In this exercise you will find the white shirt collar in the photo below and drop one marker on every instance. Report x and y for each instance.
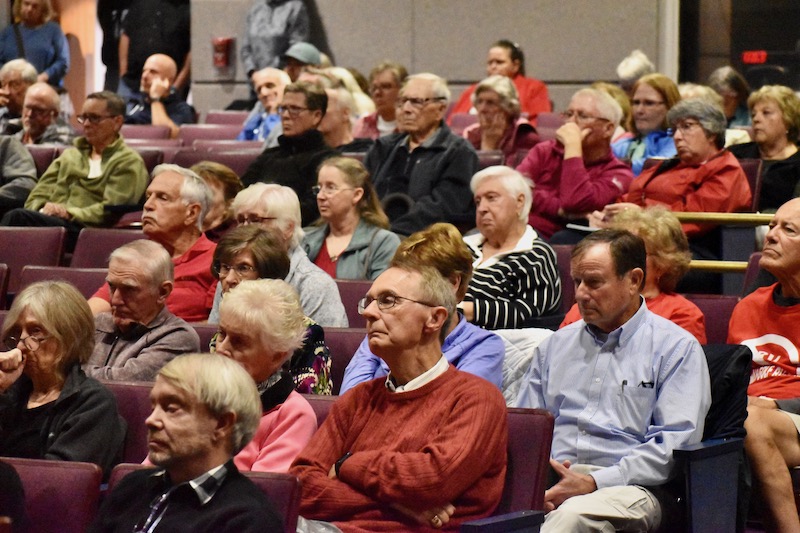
(426, 377)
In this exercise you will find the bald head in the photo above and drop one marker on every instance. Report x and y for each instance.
(41, 109)
(781, 254)
(269, 84)
(158, 66)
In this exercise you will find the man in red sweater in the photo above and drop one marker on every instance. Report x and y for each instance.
(423, 447)
(766, 321)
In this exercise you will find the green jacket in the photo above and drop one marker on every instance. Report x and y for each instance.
(123, 181)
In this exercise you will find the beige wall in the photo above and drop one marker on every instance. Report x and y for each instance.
(567, 42)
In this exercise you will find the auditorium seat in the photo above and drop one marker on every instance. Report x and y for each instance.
(220, 116)
(133, 404)
(342, 343)
(563, 253)
(94, 245)
(717, 310)
(191, 132)
(238, 161)
(351, 291)
(42, 155)
(29, 246)
(144, 131)
(87, 280)
(226, 145)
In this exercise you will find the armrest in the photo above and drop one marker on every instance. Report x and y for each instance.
(708, 448)
(519, 522)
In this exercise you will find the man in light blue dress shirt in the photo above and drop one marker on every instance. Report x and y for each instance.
(626, 387)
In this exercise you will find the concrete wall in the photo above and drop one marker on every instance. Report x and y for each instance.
(567, 42)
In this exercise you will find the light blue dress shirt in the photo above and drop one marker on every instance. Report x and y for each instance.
(622, 401)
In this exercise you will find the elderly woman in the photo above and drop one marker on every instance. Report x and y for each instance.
(653, 97)
(224, 185)
(276, 207)
(43, 42)
(351, 240)
(506, 58)
(693, 90)
(252, 252)
(515, 277)
(261, 325)
(734, 90)
(466, 346)
(385, 81)
(668, 259)
(50, 409)
(500, 126)
(775, 111)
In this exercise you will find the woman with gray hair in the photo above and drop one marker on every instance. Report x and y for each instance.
(500, 126)
(261, 325)
(704, 177)
(515, 277)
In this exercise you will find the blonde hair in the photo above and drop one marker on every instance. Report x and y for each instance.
(48, 13)
(356, 176)
(787, 102)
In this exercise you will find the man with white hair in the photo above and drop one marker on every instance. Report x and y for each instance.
(41, 120)
(139, 335)
(206, 408)
(422, 173)
(577, 173)
(268, 84)
(16, 76)
(337, 124)
(177, 202)
(277, 206)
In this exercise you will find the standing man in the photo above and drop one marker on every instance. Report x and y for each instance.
(300, 149)
(158, 103)
(423, 446)
(155, 27)
(139, 335)
(177, 202)
(99, 171)
(577, 173)
(626, 387)
(272, 26)
(766, 322)
(423, 172)
(205, 410)
(41, 118)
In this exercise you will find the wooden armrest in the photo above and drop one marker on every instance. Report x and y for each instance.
(731, 219)
(718, 266)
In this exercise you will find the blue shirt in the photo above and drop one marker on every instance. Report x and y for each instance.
(468, 348)
(621, 401)
(258, 124)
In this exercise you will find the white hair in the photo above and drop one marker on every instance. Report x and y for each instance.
(438, 85)
(512, 181)
(276, 201)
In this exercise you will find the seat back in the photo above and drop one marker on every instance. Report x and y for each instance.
(3, 284)
(461, 121)
(342, 343)
(321, 405)
(60, 496)
(151, 156)
(42, 246)
(751, 274)
(717, 309)
(729, 367)
(563, 254)
(752, 169)
(530, 434)
(94, 245)
(489, 158)
(351, 291)
(206, 333)
(43, 155)
(220, 116)
(156, 144)
(239, 161)
(225, 145)
(144, 131)
(133, 403)
(190, 132)
(87, 280)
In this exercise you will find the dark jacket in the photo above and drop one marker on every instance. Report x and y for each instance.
(435, 176)
(780, 180)
(293, 163)
(82, 426)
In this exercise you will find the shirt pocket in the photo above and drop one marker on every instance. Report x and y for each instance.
(634, 409)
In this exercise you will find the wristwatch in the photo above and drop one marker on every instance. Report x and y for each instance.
(338, 464)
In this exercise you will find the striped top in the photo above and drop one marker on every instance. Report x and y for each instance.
(512, 288)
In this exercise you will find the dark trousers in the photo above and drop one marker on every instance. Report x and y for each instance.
(27, 217)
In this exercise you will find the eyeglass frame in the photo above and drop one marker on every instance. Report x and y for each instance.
(93, 119)
(242, 269)
(294, 111)
(417, 103)
(579, 117)
(38, 111)
(367, 300)
(683, 127)
(329, 191)
(244, 221)
(17, 340)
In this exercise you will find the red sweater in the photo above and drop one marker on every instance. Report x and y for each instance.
(442, 443)
(533, 98)
(770, 331)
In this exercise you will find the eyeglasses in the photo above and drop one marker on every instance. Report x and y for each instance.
(242, 270)
(92, 119)
(646, 103)
(291, 109)
(36, 111)
(328, 190)
(244, 220)
(385, 302)
(684, 127)
(580, 116)
(417, 103)
(30, 342)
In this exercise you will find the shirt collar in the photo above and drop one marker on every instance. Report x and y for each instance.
(204, 486)
(621, 335)
(426, 377)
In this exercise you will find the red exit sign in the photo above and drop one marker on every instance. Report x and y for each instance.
(754, 57)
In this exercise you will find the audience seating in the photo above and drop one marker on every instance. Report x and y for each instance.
(563, 253)
(489, 158)
(321, 405)
(190, 132)
(283, 490)
(214, 145)
(152, 157)
(547, 124)
(351, 291)
(752, 169)
(342, 343)
(205, 331)
(461, 121)
(144, 131)
(3, 285)
(717, 309)
(238, 161)
(751, 274)
(154, 143)
(29, 246)
(219, 116)
(60, 496)
(94, 245)
(133, 403)
(43, 155)
(87, 280)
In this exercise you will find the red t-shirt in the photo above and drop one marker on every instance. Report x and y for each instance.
(193, 293)
(324, 261)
